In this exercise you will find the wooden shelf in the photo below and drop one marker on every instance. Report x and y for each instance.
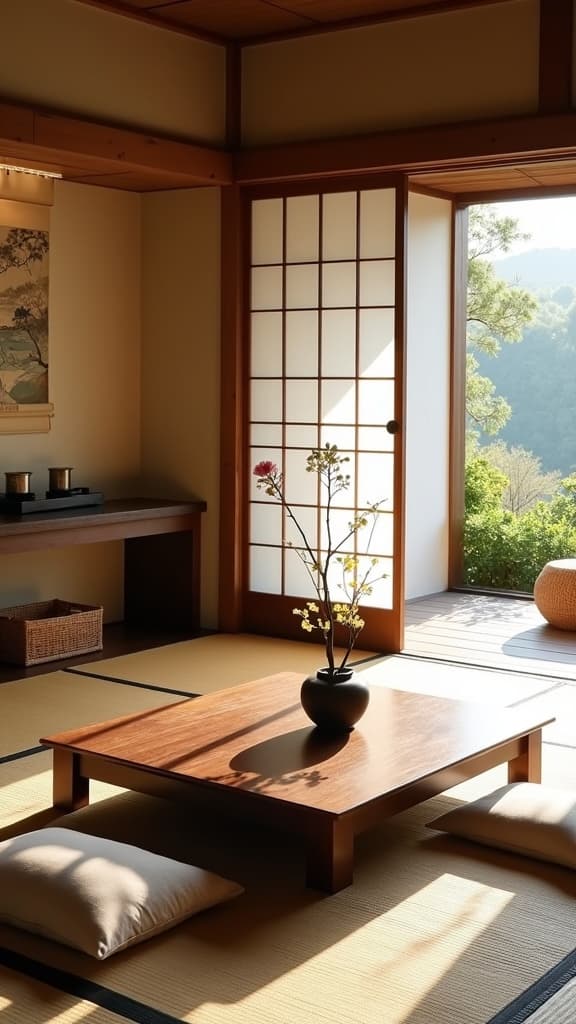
(162, 541)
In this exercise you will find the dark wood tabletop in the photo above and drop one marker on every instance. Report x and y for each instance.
(256, 737)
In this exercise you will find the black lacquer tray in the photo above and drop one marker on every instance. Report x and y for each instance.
(21, 505)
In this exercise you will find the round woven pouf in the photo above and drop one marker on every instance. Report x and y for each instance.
(555, 593)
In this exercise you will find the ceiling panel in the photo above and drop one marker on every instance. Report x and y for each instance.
(556, 173)
(344, 10)
(233, 19)
(249, 19)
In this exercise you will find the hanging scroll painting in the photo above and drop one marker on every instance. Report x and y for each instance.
(24, 355)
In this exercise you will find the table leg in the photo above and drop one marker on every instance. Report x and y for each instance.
(527, 767)
(330, 855)
(70, 789)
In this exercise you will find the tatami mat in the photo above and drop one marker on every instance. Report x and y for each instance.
(433, 931)
(213, 662)
(26, 1001)
(216, 662)
(40, 705)
(458, 682)
(26, 791)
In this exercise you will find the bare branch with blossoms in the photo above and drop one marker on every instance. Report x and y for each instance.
(324, 614)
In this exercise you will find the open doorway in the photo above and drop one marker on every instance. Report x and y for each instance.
(520, 408)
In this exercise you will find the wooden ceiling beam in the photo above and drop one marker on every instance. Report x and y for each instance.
(34, 135)
(466, 144)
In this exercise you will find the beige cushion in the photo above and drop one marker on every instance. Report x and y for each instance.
(97, 895)
(524, 817)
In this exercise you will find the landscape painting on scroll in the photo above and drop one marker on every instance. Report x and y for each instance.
(23, 319)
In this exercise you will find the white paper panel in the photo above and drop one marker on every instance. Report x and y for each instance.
(262, 454)
(302, 343)
(339, 226)
(301, 401)
(307, 518)
(375, 402)
(338, 284)
(377, 283)
(376, 355)
(340, 519)
(302, 286)
(381, 596)
(265, 524)
(300, 436)
(339, 343)
(297, 582)
(266, 570)
(375, 479)
(375, 439)
(266, 288)
(267, 231)
(343, 437)
(338, 401)
(377, 223)
(266, 434)
(382, 535)
(266, 347)
(300, 486)
(302, 229)
(266, 400)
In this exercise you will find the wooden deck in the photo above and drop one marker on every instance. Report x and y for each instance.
(492, 632)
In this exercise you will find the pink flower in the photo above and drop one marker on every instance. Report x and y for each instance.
(265, 468)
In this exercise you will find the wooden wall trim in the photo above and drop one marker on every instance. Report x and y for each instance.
(232, 412)
(458, 395)
(556, 55)
(465, 144)
(233, 96)
(31, 133)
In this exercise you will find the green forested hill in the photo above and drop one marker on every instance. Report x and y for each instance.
(537, 376)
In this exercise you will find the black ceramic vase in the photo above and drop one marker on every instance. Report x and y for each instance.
(334, 701)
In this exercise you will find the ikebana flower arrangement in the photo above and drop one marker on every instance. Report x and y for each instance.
(339, 621)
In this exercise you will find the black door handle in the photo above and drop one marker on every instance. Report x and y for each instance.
(392, 426)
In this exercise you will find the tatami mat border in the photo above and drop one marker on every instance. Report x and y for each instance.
(74, 985)
(21, 753)
(130, 682)
(179, 693)
(521, 1008)
(487, 668)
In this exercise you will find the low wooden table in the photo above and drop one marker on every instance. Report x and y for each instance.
(251, 751)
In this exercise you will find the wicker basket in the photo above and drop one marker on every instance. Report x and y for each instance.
(33, 633)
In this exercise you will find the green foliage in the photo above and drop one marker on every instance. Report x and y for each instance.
(537, 379)
(487, 410)
(496, 312)
(506, 550)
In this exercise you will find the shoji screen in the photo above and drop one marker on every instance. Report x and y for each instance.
(322, 369)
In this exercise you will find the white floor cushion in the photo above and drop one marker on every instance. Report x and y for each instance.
(525, 817)
(97, 895)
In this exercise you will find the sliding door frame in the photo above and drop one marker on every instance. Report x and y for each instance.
(234, 520)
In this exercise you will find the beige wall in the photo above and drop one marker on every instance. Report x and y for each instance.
(181, 359)
(427, 394)
(94, 385)
(76, 58)
(456, 66)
